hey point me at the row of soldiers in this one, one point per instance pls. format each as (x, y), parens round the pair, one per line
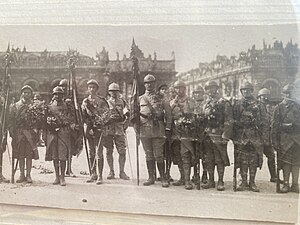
(199, 128)
(173, 128)
(105, 123)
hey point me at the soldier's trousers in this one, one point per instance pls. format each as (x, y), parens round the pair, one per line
(247, 159)
(154, 149)
(95, 148)
(118, 140)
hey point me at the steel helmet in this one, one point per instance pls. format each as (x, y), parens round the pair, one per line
(263, 91)
(198, 89)
(93, 81)
(179, 83)
(247, 85)
(57, 90)
(63, 83)
(211, 83)
(113, 87)
(287, 89)
(26, 87)
(149, 78)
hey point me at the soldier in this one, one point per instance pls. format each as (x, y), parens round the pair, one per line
(24, 137)
(184, 132)
(154, 111)
(162, 90)
(248, 141)
(95, 110)
(218, 114)
(116, 130)
(76, 142)
(60, 122)
(198, 98)
(286, 138)
(263, 98)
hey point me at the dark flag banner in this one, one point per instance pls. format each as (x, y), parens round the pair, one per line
(135, 108)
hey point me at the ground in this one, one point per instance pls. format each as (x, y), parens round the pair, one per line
(123, 202)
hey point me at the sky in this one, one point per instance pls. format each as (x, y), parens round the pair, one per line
(191, 44)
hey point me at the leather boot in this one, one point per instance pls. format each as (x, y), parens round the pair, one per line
(56, 169)
(211, 181)
(111, 175)
(122, 159)
(181, 179)
(294, 188)
(150, 168)
(187, 173)
(62, 172)
(161, 169)
(28, 170)
(285, 188)
(272, 170)
(110, 162)
(22, 177)
(100, 170)
(204, 177)
(244, 184)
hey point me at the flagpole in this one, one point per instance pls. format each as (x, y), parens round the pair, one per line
(135, 112)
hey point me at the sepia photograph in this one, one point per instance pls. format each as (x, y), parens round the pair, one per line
(149, 123)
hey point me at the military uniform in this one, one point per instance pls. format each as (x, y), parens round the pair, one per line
(268, 150)
(184, 132)
(218, 113)
(24, 136)
(286, 139)
(198, 97)
(95, 114)
(116, 131)
(155, 117)
(60, 123)
(248, 143)
(76, 135)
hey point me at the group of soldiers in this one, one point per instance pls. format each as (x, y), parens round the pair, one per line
(174, 129)
(187, 130)
(104, 123)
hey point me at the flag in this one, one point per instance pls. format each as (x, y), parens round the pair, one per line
(134, 100)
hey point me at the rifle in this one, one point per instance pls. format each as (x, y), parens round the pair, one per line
(78, 112)
(4, 113)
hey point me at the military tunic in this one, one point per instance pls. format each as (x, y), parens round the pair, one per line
(24, 137)
(287, 139)
(155, 117)
(116, 128)
(218, 113)
(60, 124)
(248, 129)
(184, 130)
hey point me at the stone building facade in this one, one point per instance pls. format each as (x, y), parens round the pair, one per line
(43, 70)
(271, 67)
